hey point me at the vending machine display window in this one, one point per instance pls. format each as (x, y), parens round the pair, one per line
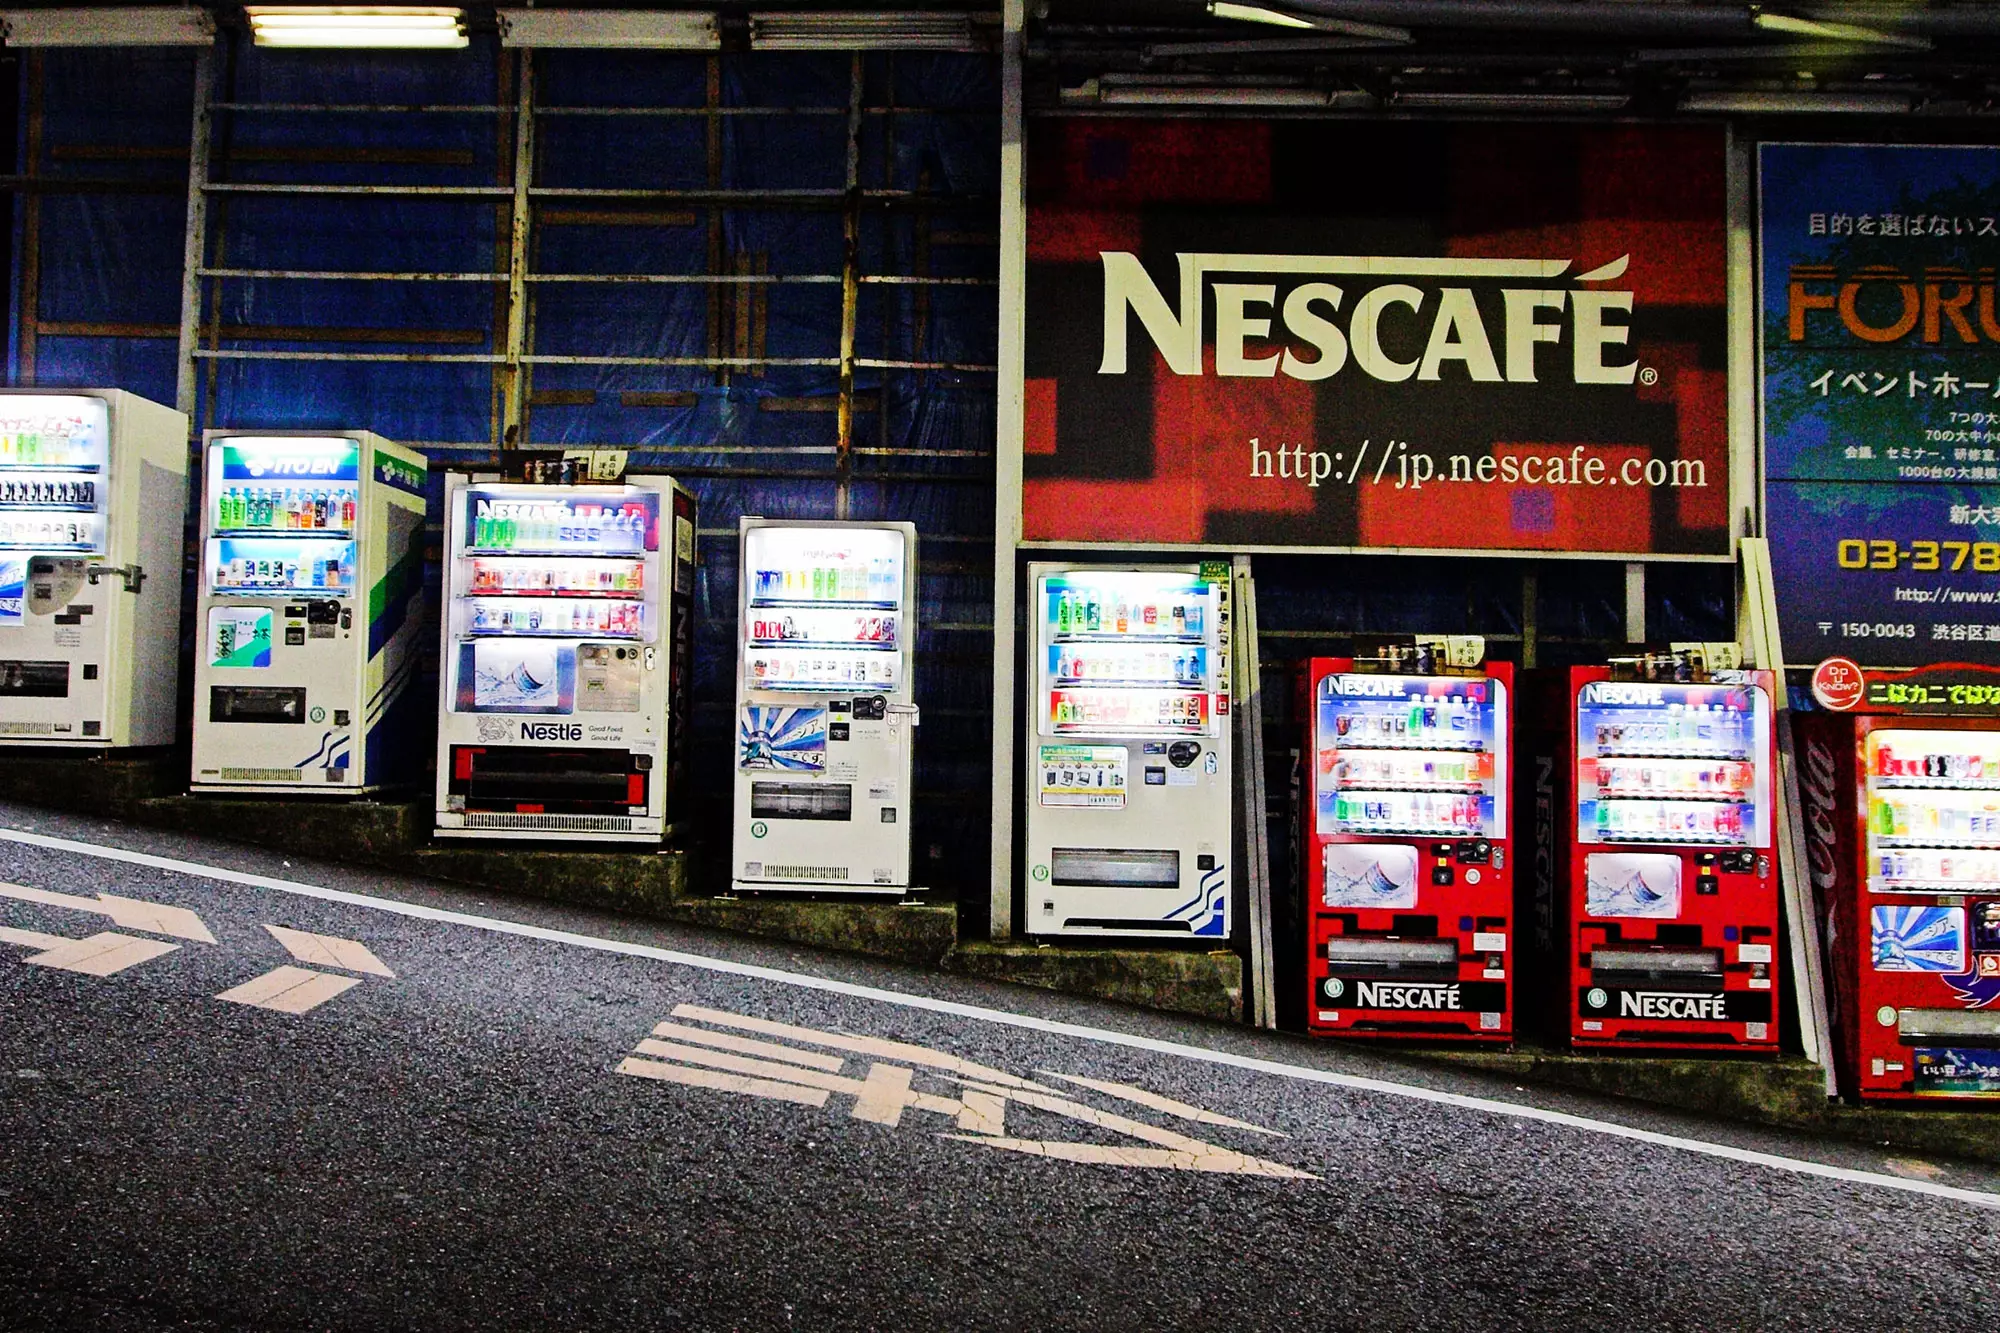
(1406, 859)
(565, 655)
(93, 491)
(311, 602)
(1672, 902)
(826, 710)
(1129, 815)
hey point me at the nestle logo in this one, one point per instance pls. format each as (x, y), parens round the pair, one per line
(551, 731)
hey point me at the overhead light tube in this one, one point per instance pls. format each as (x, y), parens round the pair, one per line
(608, 29)
(356, 26)
(111, 26)
(1776, 103)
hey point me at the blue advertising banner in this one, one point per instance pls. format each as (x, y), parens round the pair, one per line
(1881, 397)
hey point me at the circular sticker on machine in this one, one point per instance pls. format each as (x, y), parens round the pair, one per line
(1041, 872)
(759, 829)
(317, 715)
(1886, 1015)
(1597, 999)
(1837, 684)
(1334, 988)
(1472, 875)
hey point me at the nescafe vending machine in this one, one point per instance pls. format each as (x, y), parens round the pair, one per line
(1408, 897)
(1667, 874)
(1900, 783)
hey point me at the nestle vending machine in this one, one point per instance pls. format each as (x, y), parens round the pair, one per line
(1128, 780)
(1407, 859)
(1903, 823)
(309, 609)
(93, 492)
(564, 658)
(825, 706)
(1672, 893)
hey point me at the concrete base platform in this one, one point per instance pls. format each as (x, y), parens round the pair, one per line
(1205, 985)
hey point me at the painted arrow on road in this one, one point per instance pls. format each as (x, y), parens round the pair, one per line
(129, 913)
(98, 956)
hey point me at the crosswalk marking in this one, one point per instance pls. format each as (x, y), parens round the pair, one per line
(127, 913)
(703, 1058)
(884, 1094)
(1100, 1154)
(329, 951)
(99, 955)
(289, 990)
(709, 1078)
(1154, 1101)
(887, 1050)
(749, 1046)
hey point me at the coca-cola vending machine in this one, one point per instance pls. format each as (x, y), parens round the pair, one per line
(1899, 774)
(1404, 843)
(1661, 891)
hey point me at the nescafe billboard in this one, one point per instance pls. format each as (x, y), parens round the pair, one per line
(1269, 335)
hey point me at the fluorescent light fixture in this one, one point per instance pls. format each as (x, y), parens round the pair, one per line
(1098, 92)
(1223, 9)
(350, 26)
(1511, 101)
(608, 29)
(882, 30)
(1755, 103)
(1284, 18)
(1837, 32)
(107, 27)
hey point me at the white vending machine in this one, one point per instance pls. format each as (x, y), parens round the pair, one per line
(1128, 782)
(310, 606)
(565, 658)
(93, 494)
(825, 706)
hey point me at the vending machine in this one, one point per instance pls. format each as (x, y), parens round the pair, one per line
(1404, 838)
(565, 655)
(1902, 810)
(93, 492)
(1670, 893)
(1128, 779)
(825, 706)
(310, 606)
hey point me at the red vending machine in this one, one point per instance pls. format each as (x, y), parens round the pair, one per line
(1408, 892)
(1671, 883)
(1902, 809)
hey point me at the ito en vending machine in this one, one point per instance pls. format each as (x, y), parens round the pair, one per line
(1900, 785)
(1667, 887)
(825, 706)
(564, 656)
(1128, 782)
(1408, 887)
(93, 490)
(309, 609)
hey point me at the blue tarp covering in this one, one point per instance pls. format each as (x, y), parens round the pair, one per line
(749, 439)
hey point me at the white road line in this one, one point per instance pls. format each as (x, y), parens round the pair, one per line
(1105, 1036)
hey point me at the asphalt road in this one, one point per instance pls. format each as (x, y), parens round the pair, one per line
(480, 1141)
